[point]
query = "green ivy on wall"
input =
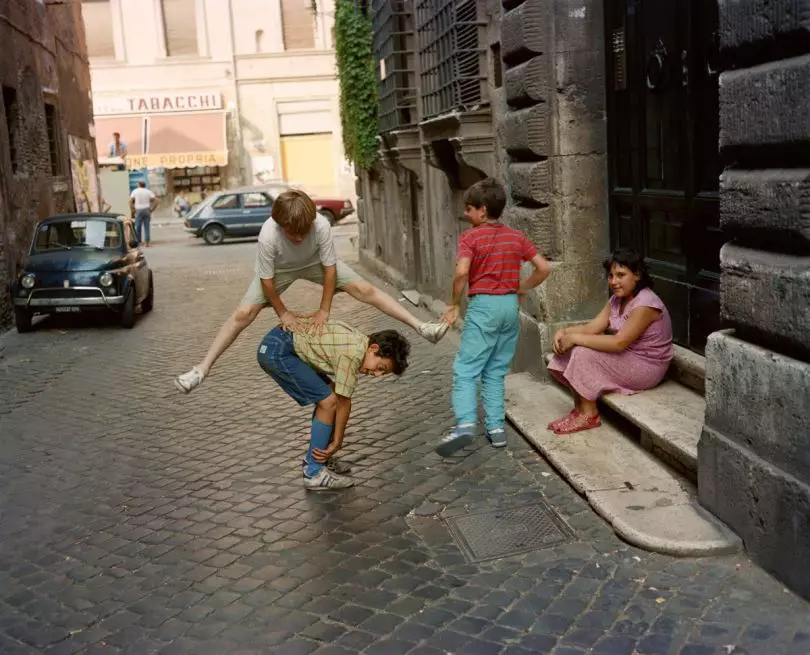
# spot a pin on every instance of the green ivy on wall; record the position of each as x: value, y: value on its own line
x: 357, y: 81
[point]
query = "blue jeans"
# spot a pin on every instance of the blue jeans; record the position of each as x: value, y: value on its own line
x: 491, y: 327
x: 143, y: 217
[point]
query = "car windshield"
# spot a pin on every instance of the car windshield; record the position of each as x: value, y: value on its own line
x: 68, y: 234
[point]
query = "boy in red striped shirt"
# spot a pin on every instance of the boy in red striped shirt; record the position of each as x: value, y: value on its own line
x: 490, y: 256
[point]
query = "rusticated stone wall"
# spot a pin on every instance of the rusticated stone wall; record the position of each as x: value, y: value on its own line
x: 753, y: 470
x: 554, y: 135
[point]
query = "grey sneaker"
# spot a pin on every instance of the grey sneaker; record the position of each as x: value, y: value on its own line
x: 335, y: 465
x: 326, y: 480
x: 454, y: 441
x: 338, y: 466
x: 189, y: 381
x: 433, y: 331
x: 497, y: 437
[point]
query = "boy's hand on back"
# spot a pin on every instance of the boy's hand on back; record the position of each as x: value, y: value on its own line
x: 318, y: 321
x: 290, y: 323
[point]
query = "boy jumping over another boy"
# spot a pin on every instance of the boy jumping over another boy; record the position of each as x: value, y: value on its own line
x: 490, y: 255
x: 299, y: 362
x: 296, y: 244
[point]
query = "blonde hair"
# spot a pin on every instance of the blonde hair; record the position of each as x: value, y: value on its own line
x: 294, y: 211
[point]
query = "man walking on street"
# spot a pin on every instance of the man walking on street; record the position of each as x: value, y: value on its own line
x: 142, y: 202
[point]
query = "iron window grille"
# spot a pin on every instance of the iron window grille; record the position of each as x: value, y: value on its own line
x: 452, y: 61
x: 394, y: 51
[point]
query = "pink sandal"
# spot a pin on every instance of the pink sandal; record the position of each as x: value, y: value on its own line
x: 578, y: 424
x: 557, y: 422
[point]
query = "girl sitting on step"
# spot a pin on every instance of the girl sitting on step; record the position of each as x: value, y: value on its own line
x: 627, y: 348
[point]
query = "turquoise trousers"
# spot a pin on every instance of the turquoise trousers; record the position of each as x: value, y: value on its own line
x: 488, y: 343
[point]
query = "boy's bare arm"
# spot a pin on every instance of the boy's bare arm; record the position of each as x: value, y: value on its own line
x: 542, y: 270
x: 320, y: 317
x: 459, y: 284
x: 289, y: 321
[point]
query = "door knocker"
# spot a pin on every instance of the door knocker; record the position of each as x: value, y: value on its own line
x: 658, y: 68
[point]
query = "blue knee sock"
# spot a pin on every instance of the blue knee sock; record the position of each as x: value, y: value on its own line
x: 320, y: 436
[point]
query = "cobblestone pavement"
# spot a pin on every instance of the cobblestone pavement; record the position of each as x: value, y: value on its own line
x: 137, y: 520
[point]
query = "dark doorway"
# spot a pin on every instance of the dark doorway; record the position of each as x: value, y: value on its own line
x: 663, y: 123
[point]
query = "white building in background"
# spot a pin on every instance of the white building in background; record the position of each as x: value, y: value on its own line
x: 217, y: 93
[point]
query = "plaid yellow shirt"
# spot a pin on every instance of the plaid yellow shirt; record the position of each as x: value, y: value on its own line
x: 339, y: 352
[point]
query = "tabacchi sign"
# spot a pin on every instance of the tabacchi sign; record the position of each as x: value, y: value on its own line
x: 157, y: 103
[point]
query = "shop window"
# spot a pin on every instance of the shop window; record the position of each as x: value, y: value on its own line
x: 180, y: 27
x: 298, y: 24
x: 98, y: 29
x: 54, y: 146
x: 10, y: 108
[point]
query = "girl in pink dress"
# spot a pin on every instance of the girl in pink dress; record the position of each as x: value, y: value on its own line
x: 633, y: 356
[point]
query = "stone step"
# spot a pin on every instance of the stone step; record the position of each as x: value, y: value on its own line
x: 669, y: 419
x: 646, y: 502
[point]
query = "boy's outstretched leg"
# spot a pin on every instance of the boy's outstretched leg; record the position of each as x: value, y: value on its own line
x: 367, y: 293
x: 317, y: 477
x: 233, y: 327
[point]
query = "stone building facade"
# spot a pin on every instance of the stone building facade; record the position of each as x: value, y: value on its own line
x: 46, y: 107
x: 612, y: 123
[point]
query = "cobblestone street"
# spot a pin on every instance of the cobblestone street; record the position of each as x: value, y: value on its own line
x: 134, y: 519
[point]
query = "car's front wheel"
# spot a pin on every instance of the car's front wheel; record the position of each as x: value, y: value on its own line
x: 22, y: 317
x: 128, y: 310
x: 214, y: 235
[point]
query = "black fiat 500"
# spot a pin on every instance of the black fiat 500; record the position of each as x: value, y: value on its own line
x: 83, y: 262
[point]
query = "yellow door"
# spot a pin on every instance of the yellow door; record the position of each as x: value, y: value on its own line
x: 308, y: 160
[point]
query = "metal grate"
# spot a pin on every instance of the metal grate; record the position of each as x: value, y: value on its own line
x: 395, y: 53
x: 501, y: 532
x: 452, y: 61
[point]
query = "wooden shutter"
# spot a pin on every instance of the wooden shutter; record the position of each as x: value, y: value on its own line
x: 180, y: 24
x: 98, y: 28
x: 298, y: 23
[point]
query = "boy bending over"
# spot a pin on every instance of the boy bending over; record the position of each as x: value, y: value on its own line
x: 299, y: 362
x: 489, y: 256
x: 296, y: 244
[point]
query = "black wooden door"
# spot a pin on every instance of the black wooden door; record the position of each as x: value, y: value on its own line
x: 663, y: 139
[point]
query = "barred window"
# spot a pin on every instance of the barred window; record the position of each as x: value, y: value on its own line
x: 394, y: 51
x: 452, y: 61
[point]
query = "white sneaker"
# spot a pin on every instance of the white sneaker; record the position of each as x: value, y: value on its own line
x: 433, y: 331
x: 189, y: 381
x: 326, y: 480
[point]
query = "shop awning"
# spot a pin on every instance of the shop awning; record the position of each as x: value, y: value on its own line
x: 131, y: 129
x: 172, y: 140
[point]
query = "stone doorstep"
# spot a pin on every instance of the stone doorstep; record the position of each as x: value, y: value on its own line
x: 646, y: 502
x: 670, y: 419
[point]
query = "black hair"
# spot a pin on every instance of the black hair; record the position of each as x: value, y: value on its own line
x: 487, y: 193
x: 392, y: 346
x: 630, y: 259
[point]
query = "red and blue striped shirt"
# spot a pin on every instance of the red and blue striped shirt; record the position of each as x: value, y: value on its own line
x: 496, y: 252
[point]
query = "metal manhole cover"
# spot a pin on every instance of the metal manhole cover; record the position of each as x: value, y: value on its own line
x: 501, y: 532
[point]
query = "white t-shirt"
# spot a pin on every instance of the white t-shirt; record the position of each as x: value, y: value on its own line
x: 142, y: 197
x: 277, y: 253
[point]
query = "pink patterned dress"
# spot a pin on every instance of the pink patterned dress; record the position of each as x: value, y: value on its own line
x: 642, y: 365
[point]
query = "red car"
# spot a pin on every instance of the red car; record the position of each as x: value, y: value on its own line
x: 333, y: 208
